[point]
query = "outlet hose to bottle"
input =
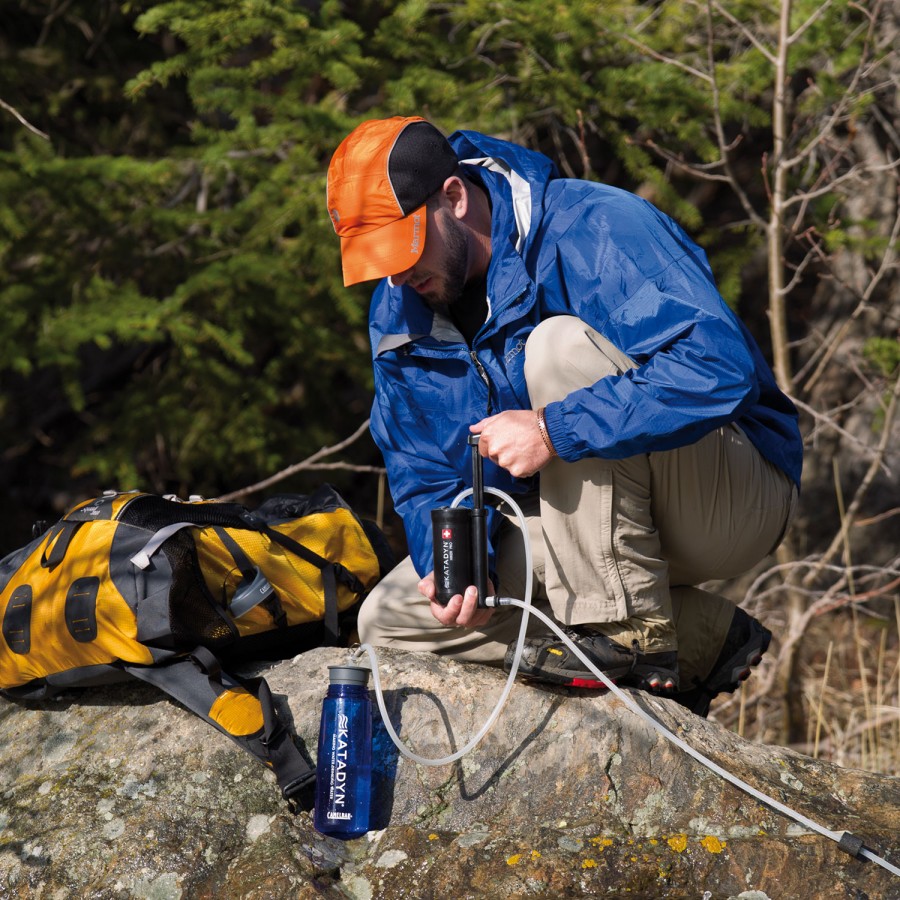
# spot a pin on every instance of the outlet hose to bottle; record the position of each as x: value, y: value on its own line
x: 847, y: 841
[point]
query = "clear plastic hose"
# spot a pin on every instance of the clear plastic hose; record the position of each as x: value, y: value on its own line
x: 526, y: 607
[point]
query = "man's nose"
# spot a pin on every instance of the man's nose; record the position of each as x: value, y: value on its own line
x: 401, y: 278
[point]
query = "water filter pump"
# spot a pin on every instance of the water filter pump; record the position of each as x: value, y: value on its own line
x: 459, y: 538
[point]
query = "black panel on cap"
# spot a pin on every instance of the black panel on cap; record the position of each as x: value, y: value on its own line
x: 421, y: 160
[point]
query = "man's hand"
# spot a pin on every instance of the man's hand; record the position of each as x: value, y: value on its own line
x: 461, y: 611
x: 513, y: 440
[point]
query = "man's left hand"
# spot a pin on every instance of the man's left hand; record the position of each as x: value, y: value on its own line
x: 513, y: 440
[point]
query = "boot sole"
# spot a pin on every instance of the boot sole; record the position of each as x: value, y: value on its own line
x: 738, y: 669
x: 567, y: 678
x: 647, y: 678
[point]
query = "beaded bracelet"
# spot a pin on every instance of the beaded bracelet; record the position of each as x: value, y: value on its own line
x: 545, y: 435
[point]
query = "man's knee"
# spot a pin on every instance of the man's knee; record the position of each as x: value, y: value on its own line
x: 542, y: 356
x: 563, y: 354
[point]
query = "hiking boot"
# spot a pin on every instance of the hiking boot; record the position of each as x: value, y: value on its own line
x: 547, y: 658
x: 746, y: 642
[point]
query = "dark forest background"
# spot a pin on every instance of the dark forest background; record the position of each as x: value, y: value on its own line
x: 173, y: 317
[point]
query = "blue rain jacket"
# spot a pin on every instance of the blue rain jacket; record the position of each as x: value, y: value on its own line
x: 565, y: 246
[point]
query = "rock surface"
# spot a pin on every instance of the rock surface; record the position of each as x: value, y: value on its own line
x: 120, y: 793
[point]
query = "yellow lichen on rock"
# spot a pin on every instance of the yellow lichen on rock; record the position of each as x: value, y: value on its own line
x: 713, y: 844
x: 601, y: 842
x: 678, y: 842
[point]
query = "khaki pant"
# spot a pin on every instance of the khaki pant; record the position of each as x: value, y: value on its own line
x: 615, y: 543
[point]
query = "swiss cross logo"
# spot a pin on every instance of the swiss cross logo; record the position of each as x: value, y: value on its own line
x: 447, y: 534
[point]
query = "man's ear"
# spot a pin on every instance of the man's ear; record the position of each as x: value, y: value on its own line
x: 457, y: 195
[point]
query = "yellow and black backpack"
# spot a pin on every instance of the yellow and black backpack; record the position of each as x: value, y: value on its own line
x: 137, y: 585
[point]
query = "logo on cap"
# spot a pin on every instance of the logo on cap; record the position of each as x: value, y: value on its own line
x: 417, y: 231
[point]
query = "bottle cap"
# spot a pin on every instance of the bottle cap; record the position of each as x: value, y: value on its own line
x: 348, y: 675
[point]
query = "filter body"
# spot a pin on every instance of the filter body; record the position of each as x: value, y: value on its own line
x: 451, y: 533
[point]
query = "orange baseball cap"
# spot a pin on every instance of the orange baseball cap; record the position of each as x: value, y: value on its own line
x: 378, y: 181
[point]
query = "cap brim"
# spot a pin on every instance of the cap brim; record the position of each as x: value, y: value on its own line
x: 388, y: 250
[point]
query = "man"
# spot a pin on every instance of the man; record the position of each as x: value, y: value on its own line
x: 579, y: 332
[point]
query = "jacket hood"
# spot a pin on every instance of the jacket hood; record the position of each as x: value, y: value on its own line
x: 516, y: 180
x: 524, y: 174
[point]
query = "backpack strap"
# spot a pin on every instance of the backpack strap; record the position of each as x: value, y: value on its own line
x: 255, y: 588
x: 331, y: 573
x: 243, y: 709
x: 142, y: 558
x: 60, y: 537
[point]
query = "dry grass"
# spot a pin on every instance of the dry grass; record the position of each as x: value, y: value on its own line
x: 844, y: 697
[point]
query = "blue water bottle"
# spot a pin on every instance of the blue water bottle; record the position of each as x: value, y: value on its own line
x: 344, y: 761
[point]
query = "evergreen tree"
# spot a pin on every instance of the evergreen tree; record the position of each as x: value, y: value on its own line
x: 174, y: 315
x: 172, y: 298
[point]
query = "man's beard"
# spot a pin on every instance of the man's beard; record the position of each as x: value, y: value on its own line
x: 455, y: 267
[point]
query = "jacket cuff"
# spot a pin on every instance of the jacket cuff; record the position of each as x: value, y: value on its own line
x: 558, y: 434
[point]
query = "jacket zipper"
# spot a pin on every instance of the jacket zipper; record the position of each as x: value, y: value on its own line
x: 484, y: 377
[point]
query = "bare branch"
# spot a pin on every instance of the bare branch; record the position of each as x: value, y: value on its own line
x: 884, y: 717
x: 311, y: 463
x: 850, y: 92
x: 16, y: 114
x: 799, y: 270
x: 856, y: 597
x: 888, y: 259
x: 706, y: 172
x: 58, y: 10
x: 793, y: 38
x: 877, y: 520
x: 744, y: 30
x: 854, y: 172
x: 863, y: 488
x: 887, y: 125
x: 724, y: 146
x: 478, y: 52
x: 701, y: 171
x: 668, y: 60
x: 827, y: 600
x: 829, y: 422
x: 830, y: 347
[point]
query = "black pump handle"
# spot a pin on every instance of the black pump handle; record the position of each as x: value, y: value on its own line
x: 479, y: 524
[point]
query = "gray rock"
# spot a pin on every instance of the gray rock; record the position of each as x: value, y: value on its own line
x: 120, y: 793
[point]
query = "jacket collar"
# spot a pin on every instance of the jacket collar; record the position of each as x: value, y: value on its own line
x: 515, y: 179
